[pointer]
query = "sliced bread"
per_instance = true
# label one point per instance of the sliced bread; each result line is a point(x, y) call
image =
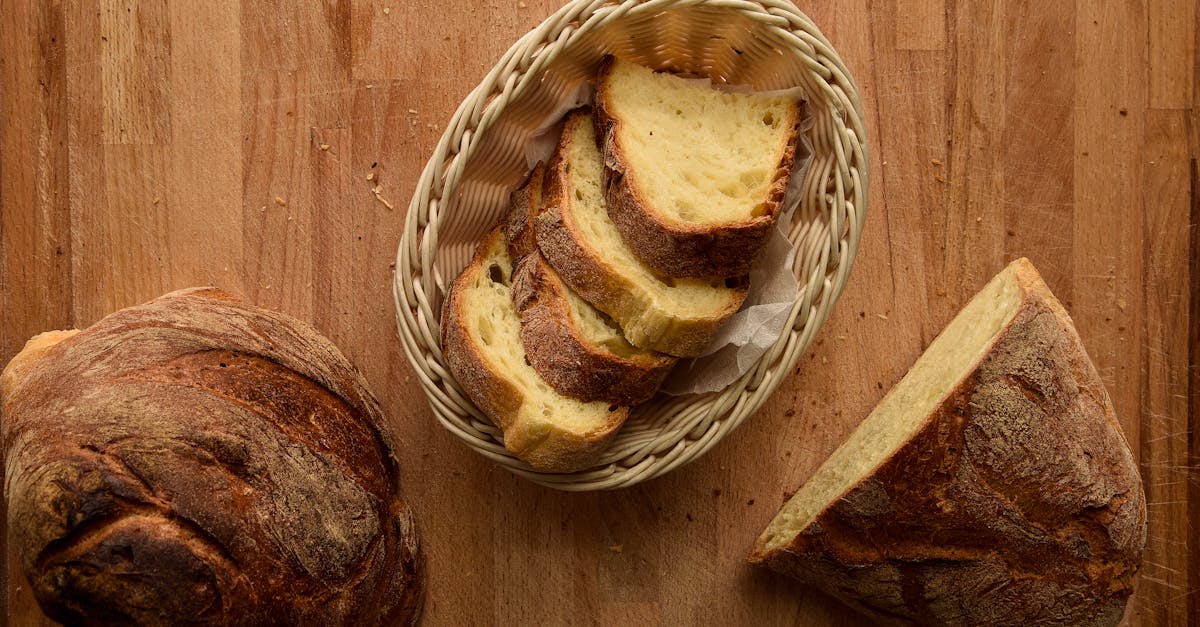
point(481, 341)
point(695, 177)
point(578, 350)
point(991, 486)
point(579, 240)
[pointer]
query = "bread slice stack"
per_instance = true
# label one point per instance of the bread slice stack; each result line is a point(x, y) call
point(564, 320)
point(991, 486)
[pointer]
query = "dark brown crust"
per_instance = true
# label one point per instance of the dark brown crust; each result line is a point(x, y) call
point(198, 460)
point(671, 248)
point(554, 450)
point(559, 352)
point(524, 205)
point(1017, 503)
point(582, 269)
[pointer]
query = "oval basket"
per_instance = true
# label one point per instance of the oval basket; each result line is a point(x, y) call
point(464, 190)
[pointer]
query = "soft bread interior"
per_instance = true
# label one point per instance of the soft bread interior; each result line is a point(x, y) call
point(599, 330)
point(676, 298)
point(699, 155)
point(494, 327)
point(952, 356)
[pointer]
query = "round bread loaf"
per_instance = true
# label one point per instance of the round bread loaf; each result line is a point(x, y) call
point(197, 460)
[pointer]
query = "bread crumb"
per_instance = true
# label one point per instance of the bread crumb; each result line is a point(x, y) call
point(371, 176)
point(936, 161)
point(324, 146)
point(939, 178)
point(412, 112)
point(616, 548)
point(280, 201)
point(157, 200)
point(881, 316)
point(387, 10)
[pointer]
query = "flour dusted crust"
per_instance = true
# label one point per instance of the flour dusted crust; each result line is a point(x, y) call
point(501, 383)
point(679, 248)
point(1015, 502)
point(633, 297)
point(198, 460)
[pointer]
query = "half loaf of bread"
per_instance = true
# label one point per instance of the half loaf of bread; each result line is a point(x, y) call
point(991, 486)
point(575, 234)
point(578, 350)
point(694, 177)
point(482, 344)
point(200, 461)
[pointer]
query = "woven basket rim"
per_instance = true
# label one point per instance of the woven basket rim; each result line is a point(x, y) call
point(415, 279)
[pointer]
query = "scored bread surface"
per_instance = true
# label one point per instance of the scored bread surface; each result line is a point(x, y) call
point(198, 460)
point(1013, 501)
point(579, 351)
point(481, 340)
point(677, 316)
point(694, 177)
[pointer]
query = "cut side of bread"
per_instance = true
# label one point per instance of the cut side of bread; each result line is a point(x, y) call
point(482, 345)
point(578, 350)
point(579, 240)
point(992, 485)
point(695, 177)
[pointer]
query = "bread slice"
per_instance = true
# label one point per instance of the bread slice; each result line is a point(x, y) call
point(481, 340)
point(991, 486)
point(695, 177)
point(674, 316)
point(578, 350)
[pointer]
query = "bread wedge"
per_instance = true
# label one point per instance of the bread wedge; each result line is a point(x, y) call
point(482, 345)
point(674, 316)
point(991, 486)
point(578, 350)
point(694, 177)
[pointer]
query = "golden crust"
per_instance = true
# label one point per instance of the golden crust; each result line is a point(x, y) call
point(669, 247)
point(1017, 501)
point(199, 460)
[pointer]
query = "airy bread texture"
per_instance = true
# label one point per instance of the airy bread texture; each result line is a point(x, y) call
point(575, 234)
point(481, 339)
point(694, 177)
point(578, 350)
point(991, 486)
point(197, 460)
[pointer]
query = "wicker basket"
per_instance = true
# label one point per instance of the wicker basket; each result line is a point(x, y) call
point(464, 190)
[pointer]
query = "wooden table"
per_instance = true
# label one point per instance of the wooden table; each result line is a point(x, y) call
point(148, 146)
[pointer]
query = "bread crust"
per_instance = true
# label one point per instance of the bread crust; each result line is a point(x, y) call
point(564, 358)
point(554, 345)
point(675, 248)
point(1016, 502)
point(198, 460)
point(585, 271)
point(500, 399)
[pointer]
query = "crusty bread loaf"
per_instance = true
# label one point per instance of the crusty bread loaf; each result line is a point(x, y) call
point(674, 316)
point(991, 486)
point(578, 350)
point(197, 460)
point(481, 342)
point(694, 177)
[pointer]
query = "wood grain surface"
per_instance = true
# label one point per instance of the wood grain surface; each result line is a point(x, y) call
point(153, 145)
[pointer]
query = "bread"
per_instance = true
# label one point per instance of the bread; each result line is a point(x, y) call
point(674, 316)
point(579, 351)
point(694, 177)
point(197, 460)
point(991, 486)
point(480, 339)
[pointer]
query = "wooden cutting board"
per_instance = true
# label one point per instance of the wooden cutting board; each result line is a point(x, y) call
point(153, 145)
